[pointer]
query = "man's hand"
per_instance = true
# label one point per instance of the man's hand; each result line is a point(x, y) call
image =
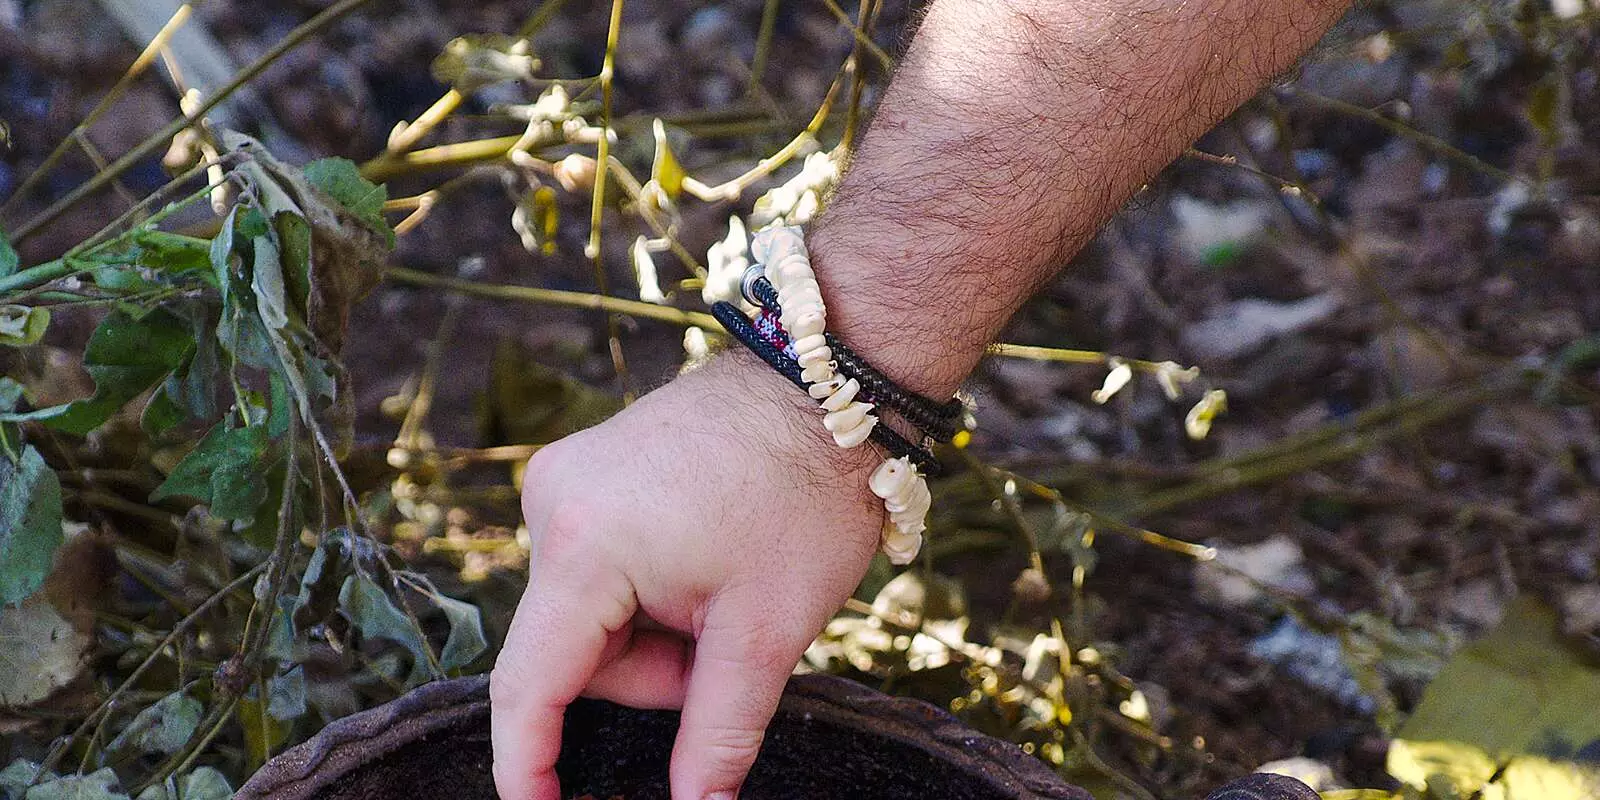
point(716, 509)
point(684, 554)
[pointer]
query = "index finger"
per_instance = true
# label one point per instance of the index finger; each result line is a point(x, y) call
point(555, 644)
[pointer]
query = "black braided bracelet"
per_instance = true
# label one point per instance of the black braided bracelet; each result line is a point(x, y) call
point(941, 421)
point(738, 326)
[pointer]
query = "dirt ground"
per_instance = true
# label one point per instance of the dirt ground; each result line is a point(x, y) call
point(1409, 265)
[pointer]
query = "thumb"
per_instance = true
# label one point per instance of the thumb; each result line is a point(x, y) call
point(739, 671)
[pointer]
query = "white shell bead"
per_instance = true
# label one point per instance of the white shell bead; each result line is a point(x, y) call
point(902, 548)
point(857, 435)
point(800, 300)
point(817, 373)
point(772, 244)
point(842, 396)
point(825, 389)
point(821, 355)
point(891, 477)
point(803, 324)
point(809, 343)
point(846, 418)
point(801, 287)
point(790, 272)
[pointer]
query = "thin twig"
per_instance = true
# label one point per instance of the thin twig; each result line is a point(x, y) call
point(556, 297)
point(134, 70)
point(182, 627)
point(861, 36)
point(154, 142)
point(598, 203)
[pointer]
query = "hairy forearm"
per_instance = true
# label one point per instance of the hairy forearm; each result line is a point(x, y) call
point(1011, 131)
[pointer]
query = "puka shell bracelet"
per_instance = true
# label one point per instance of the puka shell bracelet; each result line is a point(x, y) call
point(781, 252)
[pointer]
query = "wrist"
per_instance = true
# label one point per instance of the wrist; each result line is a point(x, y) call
point(883, 310)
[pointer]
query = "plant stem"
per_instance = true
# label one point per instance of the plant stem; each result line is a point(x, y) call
point(861, 36)
point(407, 136)
point(598, 204)
point(155, 141)
point(556, 297)
point(1403, 130)
point(134, 70)
point(182, 627)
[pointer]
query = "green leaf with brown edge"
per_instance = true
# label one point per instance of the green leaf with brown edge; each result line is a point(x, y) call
point(225, 471)
point(162, 727)
point(1519, 689)
point(125, 356)
point(346, 250)
point(21, 326)
point(341, 179)
point(30, 524)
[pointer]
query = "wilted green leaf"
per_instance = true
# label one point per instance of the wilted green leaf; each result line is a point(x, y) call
point(172, 252)
point(266, 280)
point(30, 524)
point(14, 779)
point(224, 470)
point(101, 785)
point(344, 250)
point(21, 326)
point(373, 613)
point(465, 642)
point(8, 257)
point(1520, 689)
point(205, 783)
point(220, 253)
point(125, 357)
point(163, 727)
point(262, 733)
point(286, 694)
point(341, 179)
point(39, 653)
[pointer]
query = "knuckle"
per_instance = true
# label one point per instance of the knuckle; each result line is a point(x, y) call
point(731, 748)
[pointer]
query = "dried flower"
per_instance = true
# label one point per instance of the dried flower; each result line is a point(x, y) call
point(1119, 376)
point(645, 268)
point(726, 262)
point(1198, 423)
point(1173, 378)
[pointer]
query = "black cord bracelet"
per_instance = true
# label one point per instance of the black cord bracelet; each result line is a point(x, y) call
point(738, 326)
point(941, 421)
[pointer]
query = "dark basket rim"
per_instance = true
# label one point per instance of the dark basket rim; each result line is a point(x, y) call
point(353, 741)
